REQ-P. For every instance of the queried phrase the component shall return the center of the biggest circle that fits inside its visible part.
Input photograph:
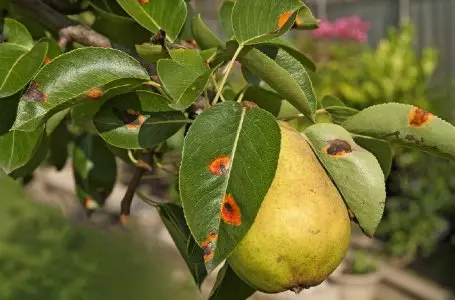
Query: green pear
(302, 229)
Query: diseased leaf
(184, 77)
(406, 125)
(355, 171)
(204, 37)
(229, 286)
(380, 149)
(18, 66)
(94, 169)
(305, 19)
(138, 120)
(229, 160)
(84, 74)
(284, 74)
(255, 21)
(169, 15)
(16, 33)
(174, 220)
(226, 18)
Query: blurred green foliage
(360, 262)
(43, 257)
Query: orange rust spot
(213, 236)
(89, 203)
(137, 121)
(418, 117)
(94, 94)
(249, 104)
(143, 1)
(47, 60)
(298, 23)
(284, 17)
(337, 148)
(33, 93)
(230, 211)
(219, 165)
(209, 250)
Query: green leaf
(229, 160)
(17, 33)
(380, 149)
(19, 66)
(355, 171)
(18, 148)
(265, 99)
(229, 286)
(329, 101)
(154, 15)
(305, 19)
(39, 154)
(151, 53)
(204, 37)
(226, 18)
(53, 49)
(406, 125)
(339, 114)
(186, 32)
(138, 120)
(291, 50)
(94, 169)
(255, 21)
(84, 74)
(174, 220)
(184, 77)
(58, 146)
(290, 86)
(121, 29)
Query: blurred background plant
(359, 263)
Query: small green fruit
(302, 230)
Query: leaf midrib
(11, 69)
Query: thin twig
(83, 35)
(125, 206)
(242, 93)
(215, 100)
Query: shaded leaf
(119, 28)
(280, 79)
(406, 125)
(339, 114)
(186, 32)
(380, 149)
(174, 220)
(204, 37)
(226, 18)
(229, 286)
(16, 33)
(151, 53)
(94, 170)
(138, 120)
(169, 15)
(184, 77)
(39, 154)
(19, 66)
(229, 160)
(58, 146)
(84, 74)
(328, 101)
(267, 100)
(355, 171)
(255, 21)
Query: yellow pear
(302, 229)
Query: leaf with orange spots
(257, 21)
(68, 77)
(405, 125)
(94, 169)
(229, 160)
(138, 120)
(355, 171)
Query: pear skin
(302, 229)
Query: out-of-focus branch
(83, 35)
(65, 7)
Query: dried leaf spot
(230, 211)
(213, 236)
(337, 148)
(219, 165)
(131, 118)
(209, 250)
(89, 203)
(249, 104)
(142, 1)
(284, 17)
(47, 60)
(419, 117)
(33, 93)
(94, 94)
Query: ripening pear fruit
(302, 229)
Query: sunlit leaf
(16, 33)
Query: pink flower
(348, 28)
